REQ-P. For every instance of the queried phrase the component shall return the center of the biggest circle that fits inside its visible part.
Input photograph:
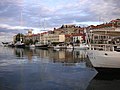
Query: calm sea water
(37, 69)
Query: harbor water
(48, 69)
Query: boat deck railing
(105, 47)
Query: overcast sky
(16, 14)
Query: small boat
(5, 44)
(8, 44)
(60, 47)
(11, 45)
(19, 44)
(32, 46)
(82, 46)
(39, 45)
(69, 46)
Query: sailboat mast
(44, 24)
(21, 23)
(40, 30)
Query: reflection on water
(63, 56)
(105, 81)
(37, 69)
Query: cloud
(40, 14)
(107, 9)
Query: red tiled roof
(79, 34)
(71, 35)
(57, 29)
(115, 20)
(68, 35)
(43, 33)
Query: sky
(16, 16)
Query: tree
(35, 41)
(62, 26)
(77, 41)
(19, 37)
(27, 42)
(30, 41)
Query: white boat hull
(60, 47)
(69, 47)
(39, 45)
(32, 46)
(104, 59)
(81, 47)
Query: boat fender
(106, 54)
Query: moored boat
(19, 45)
(69, 46)
(32, 46)
(5, 44)
(104, 53)
(82, 46)
(60, 47)
(11, 45)
(39, 45)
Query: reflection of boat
(69, 50)
(56, 49)
(19, 52)
(103, 54)
(108, 74)
(105, 81)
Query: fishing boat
(104, 48)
